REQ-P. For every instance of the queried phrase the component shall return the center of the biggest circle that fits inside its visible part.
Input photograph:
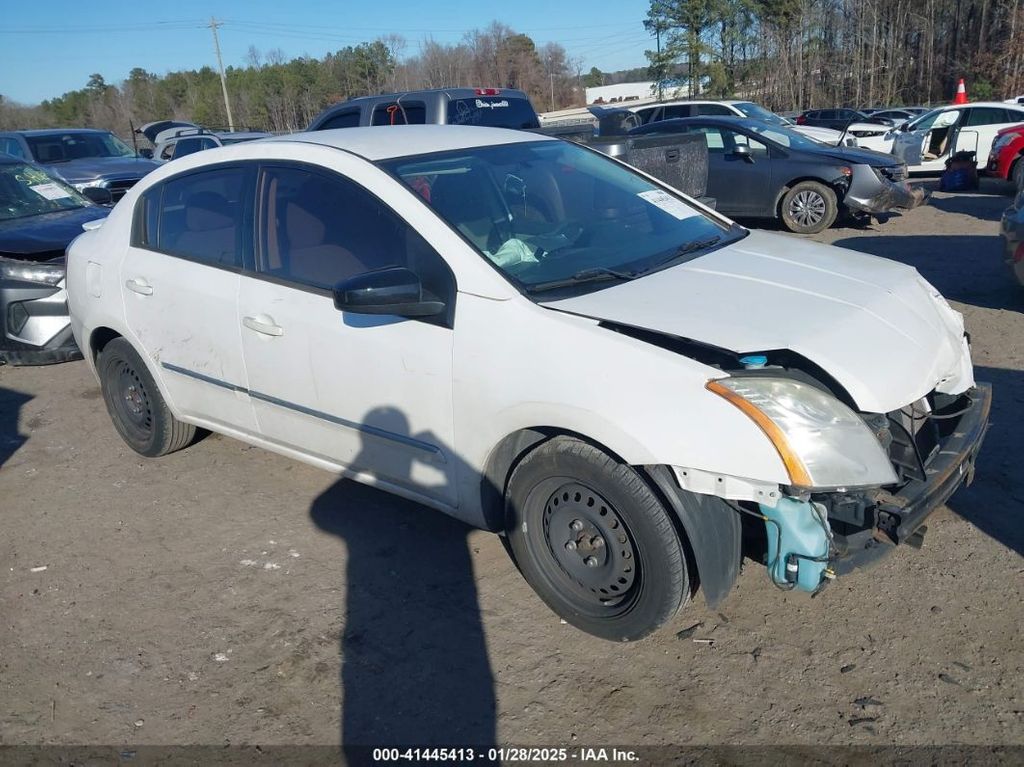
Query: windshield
(758, 112)
(493, 112)
(61, 147)
(784, 136)
(550, 212)
(29, 191)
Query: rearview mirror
(146, 152)
(98, 195)
(395, 290)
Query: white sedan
(539, 341)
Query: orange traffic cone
(961, 93)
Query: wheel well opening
(503, 460)
(100, 338)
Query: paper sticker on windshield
(50, 191)
(667, 203)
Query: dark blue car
(39, 216)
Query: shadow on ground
(415, 669)
(994, 503)
(10, 407)
(965, 268)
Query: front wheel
(809, 207)
(135, 404)
(594, 541)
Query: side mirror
(98, 195)
(146, 152)
(395, 290)
(742, 150)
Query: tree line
(824, 53)
(274, 93)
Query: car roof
(453, 92)
(52, 131)
(384, 142)
(999, 104)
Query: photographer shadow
(414, 663)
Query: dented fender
(869, 193)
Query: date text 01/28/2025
(503, 754)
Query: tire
(808, 208)
(567, 504)
(1017, 174)
(135, 405)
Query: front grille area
(118, 187)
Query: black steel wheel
(808, 207)
(135, 404)
(594, 541)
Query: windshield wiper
(594, 274)
(685, 250)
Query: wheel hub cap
(589, 541)
(807, 208)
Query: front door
(739, 183)
(369, 394)
(179, 281)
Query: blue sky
(50, 49)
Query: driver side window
(318, 230)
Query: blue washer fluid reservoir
(801, 533)
(754, 361)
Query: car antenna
(842, 136)
(135, 140)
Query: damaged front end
(880, 190)
(34, 325)
(933, 444)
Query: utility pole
(661, 79)
(552, 75)
(220, 65)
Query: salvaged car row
(403, 276)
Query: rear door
(980, 127)
(191, 238)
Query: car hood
(46, 236)
(861, 156)
(91, 168)
(874, 325)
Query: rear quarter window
(493, 112)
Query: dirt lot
(228, 595)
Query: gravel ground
(227, 595)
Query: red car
(1006, 160)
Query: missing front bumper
(899, 514)
(870, 194)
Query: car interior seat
(470, 201)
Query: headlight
(23, 271)
(823, 444)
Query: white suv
(539, 341)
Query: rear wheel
(1017, 175)
(808, 207)
(594, 541)
(135, 404)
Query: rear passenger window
(713, 109)
(400, 113)
(319, 230)
(676, 110)
(200, 216)
(986, 116)
(348, 119)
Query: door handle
(140, 286)
(263, 324)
